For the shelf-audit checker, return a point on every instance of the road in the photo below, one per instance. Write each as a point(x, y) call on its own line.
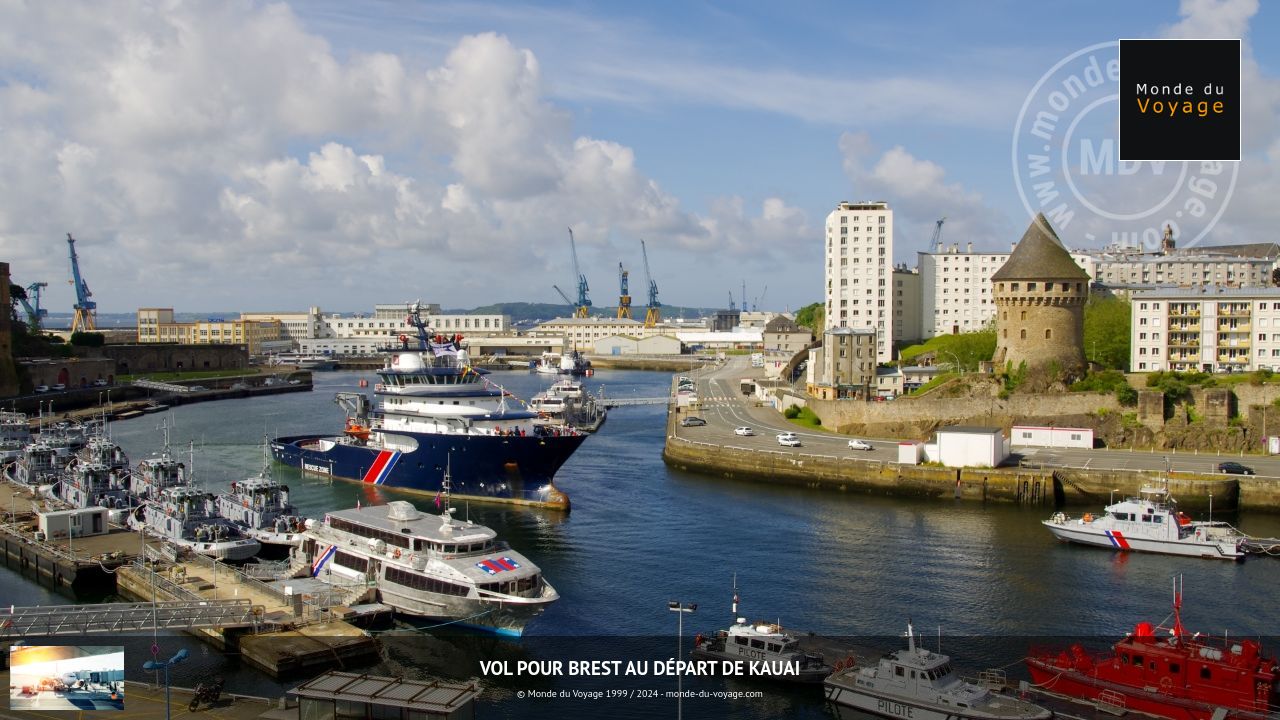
point(724, 407)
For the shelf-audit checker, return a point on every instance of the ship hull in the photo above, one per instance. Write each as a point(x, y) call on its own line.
point(1083, 535)
point(1085, 688)
point(483, 467)
point(841, 691)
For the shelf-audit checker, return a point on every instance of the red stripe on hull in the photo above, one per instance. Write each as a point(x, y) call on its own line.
point(1124, 544)
point(372, 474)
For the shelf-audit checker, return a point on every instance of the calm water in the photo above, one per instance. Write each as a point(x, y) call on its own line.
point(640, 535)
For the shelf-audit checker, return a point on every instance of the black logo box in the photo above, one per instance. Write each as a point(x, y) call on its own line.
point(1160, 77)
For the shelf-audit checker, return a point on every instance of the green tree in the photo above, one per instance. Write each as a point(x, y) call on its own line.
point(812, 316)
point(1106, 331)
point(88, 339)
point(966, 349)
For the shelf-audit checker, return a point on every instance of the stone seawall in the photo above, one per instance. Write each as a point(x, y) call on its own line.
point(918, 417)
point(1047, 486)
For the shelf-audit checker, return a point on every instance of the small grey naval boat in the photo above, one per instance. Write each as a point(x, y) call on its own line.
point(921, 685)
point(771, 651)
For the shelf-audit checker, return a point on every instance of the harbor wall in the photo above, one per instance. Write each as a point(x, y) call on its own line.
point(1032, 486)
point(918, 417)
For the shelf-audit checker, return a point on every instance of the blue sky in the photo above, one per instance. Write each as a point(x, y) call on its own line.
point(252, 156)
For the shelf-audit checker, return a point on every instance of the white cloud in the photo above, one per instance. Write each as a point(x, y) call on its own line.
point(221, 156)
point(919, 194)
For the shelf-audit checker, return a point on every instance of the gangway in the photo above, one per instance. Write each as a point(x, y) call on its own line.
point(619, 402)
point(127, 617)
point(163, 386)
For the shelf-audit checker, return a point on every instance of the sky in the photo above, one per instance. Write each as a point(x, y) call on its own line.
point(240, 155)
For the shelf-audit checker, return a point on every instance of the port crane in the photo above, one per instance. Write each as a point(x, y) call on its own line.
point(652, 313)
point(624, 295)
point(86, 317)
point(584, 300)
point(937, 234)
point(755, 304)
point(31, 304)
point(567, 301)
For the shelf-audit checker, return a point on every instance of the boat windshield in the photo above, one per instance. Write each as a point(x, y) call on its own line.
point(939, 672)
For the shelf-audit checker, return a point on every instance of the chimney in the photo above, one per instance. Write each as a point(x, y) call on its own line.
point(969, 248)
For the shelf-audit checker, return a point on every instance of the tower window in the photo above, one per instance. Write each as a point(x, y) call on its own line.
point(1024, 334)
point(1048, 334)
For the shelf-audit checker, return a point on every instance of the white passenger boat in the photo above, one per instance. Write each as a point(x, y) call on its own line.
point(922, 685)
point(1150, 522)
point(430, 566)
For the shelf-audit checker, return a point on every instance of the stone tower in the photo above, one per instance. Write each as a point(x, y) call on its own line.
point(1039, 295)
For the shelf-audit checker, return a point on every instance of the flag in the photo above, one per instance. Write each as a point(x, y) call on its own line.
point(437, 499)
point(357, 503)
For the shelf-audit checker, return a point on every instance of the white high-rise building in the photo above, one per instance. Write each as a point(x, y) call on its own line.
point(955, 287)
point(859, 271)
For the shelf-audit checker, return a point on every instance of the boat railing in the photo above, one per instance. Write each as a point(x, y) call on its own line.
point(994, 679)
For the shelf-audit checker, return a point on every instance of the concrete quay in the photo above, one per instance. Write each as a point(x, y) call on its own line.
point(1042, 477)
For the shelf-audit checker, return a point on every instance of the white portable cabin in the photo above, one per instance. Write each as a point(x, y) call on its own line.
point(80, 522)
point(968, 446)
point(1050, 437)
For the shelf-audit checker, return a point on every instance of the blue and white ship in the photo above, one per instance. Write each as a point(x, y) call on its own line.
point(430, 406)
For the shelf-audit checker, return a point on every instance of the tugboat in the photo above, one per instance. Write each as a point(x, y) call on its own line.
point(922, 685)
point(180, 516)
point(429, 566)
point(259, 507)
point(430, 405)
point(774, 652)
point(1150, 522)
point(1177, 675)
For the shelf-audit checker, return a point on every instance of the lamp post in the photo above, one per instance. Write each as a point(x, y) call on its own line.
point(957, 365)
point(680, 609)
point(164, 665)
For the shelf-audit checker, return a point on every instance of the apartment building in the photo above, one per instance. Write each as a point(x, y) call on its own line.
point(1210, 329)
point(858, 272)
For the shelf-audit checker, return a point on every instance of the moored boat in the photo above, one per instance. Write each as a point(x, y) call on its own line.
point(429, 566)
point(1166, 672)
point(180, 515)
point(430, 404)
point(922, 685)
point(1150, 522)
point(766, 648)
point(260, 508)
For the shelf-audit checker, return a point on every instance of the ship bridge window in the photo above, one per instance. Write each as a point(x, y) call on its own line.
point(758, 644)
point(1137, 661)
point(740, 640)
point(1175, 667)
point(1205, 673)
point(897, 670)
point(1146, 518)
point(773, 647)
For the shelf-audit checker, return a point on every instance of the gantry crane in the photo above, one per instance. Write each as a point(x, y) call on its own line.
point(937, 234)
point(86, 317)
point(652, 313)
point(624, 294)
point(584, 300)
point(35, 313)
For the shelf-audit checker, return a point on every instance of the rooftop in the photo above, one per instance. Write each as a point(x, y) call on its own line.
point(1040, 254)
point(1209, 291)
point(425, 696)
point(970, 430)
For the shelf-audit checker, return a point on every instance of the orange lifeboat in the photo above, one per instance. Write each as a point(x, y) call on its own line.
point(356, 430)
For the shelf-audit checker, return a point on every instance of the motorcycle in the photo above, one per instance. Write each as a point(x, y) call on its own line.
point(207, 694)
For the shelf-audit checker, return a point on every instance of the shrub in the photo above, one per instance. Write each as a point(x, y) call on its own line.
point(791, 413)
point(1126, 395)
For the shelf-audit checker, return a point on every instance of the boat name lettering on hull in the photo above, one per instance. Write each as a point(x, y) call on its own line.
point(894, 708)
point(315, 468)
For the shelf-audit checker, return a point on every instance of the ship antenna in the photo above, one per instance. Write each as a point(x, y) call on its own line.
point(1178, 630)
point(445, 485)
point(911, 637)
point(735, 594)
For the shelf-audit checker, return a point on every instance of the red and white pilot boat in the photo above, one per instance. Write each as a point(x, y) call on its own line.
point(1166, 672)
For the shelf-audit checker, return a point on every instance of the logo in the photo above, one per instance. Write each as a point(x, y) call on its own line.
point(1066, 164)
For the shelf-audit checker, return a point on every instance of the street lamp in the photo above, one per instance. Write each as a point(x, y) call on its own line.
point(164, 665)
point(955, 357)
point(680, 609)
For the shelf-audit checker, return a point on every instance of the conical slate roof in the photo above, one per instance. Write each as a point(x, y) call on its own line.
point(1040, 256)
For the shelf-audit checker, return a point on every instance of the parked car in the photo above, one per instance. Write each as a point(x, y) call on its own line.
point(693, 422)
point(786, 434)
point(789, 441)
point(99, 383)
point(59, 387)
point(42, 388)
point(856, 444)
point(744, 431)
point(1235, 468)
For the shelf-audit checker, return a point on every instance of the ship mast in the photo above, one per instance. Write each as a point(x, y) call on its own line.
point(1178, 630)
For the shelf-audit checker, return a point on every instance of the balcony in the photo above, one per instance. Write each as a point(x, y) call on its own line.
point(1239, 327)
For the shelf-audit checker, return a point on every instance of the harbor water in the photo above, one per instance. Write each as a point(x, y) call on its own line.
point(641, 535)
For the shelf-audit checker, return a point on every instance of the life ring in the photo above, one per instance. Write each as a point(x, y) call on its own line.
point(839, 665)
point(1166, 683)
point(396, 554)
point(848, 661)
point(404, 338)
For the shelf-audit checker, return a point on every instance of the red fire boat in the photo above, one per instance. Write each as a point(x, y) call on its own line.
point(1166, 672)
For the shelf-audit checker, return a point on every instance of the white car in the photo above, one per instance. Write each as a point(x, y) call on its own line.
point(744, 431)
point(860, 445)
point(789, 441)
